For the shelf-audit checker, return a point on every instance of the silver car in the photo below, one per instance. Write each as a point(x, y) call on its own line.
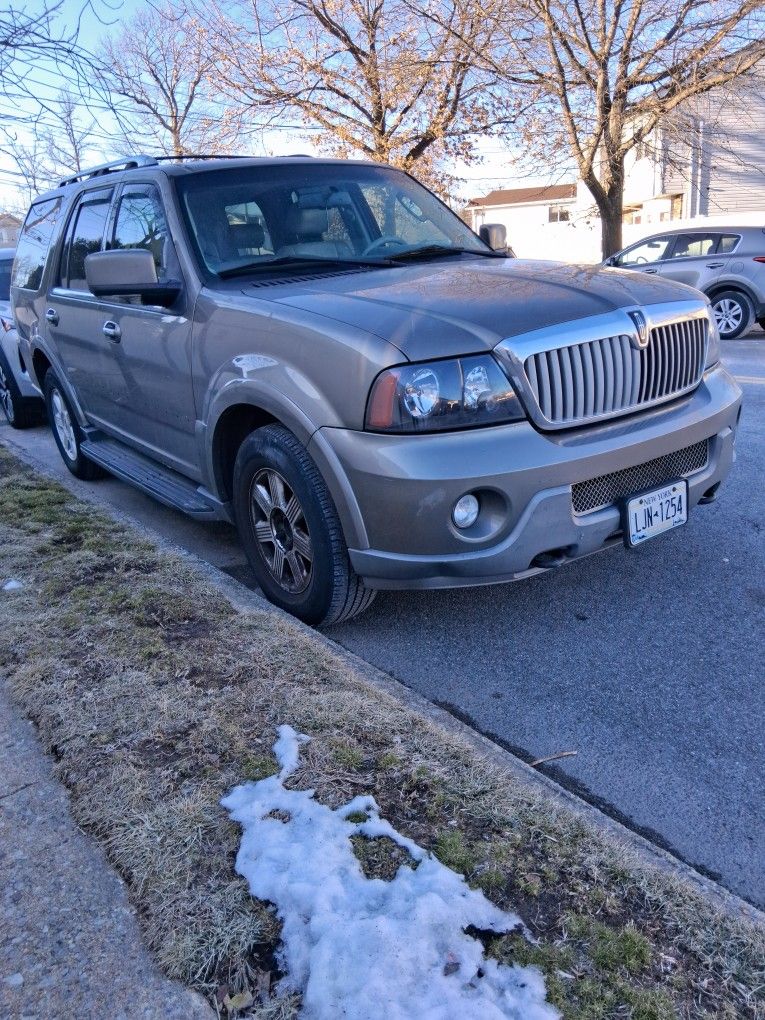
point(725, 263)
point(321, 352)
point(20, 400)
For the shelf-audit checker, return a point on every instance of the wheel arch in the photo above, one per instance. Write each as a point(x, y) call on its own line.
point(735, 285)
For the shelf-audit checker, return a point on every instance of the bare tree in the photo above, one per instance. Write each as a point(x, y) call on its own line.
point(156, 73)
point(606, 74)
point(374, 77)
point(59, 144)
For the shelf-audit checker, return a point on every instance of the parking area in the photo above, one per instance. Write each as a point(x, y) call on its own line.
point(646, 664)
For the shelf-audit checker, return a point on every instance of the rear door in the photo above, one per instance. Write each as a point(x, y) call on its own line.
point(693, 259)
point(73, 318)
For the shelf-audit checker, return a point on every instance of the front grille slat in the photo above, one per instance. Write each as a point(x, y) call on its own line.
point(605, 490)
point(606, 376)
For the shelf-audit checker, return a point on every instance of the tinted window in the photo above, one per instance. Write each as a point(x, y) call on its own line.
point(728, 243)
point(140, 223)
point(84, 236)
point(694, 245)
point(5, 279)
point(32, 249)
point(647, 251)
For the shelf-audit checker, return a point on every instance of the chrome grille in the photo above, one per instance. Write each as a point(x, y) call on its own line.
point(601, 378)
point(605, 490)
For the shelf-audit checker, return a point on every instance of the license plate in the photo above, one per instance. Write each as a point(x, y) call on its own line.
point(652, 513)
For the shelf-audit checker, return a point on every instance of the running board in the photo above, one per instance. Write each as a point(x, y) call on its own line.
point(163, 484)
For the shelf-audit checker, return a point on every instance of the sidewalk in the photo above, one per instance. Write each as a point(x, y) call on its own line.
point(69, 941)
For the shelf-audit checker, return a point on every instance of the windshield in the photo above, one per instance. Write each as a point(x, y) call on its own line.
point(335, 211)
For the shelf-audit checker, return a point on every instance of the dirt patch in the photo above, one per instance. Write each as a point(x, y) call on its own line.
point(157, 697)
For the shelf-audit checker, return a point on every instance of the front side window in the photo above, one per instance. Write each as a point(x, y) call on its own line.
point(140, 223)
point(652, 250)
point(241, 216)
point(84, 237)
point(34, 244)
point(694, 245)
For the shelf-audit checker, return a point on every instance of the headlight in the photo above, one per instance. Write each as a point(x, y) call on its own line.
point(713, 347)
point(438, 395)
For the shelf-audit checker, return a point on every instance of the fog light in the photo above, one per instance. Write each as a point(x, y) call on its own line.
point(465, 511)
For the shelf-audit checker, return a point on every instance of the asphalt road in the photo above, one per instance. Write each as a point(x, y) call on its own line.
point(648, 664)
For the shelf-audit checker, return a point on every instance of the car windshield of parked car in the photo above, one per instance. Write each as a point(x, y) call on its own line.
point(252, 215)
point(652, 250)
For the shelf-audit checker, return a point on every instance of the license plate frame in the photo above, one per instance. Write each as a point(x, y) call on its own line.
point(655, 500)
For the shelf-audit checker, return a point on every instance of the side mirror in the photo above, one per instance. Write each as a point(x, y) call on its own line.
point(128, 272)
point(495, 235)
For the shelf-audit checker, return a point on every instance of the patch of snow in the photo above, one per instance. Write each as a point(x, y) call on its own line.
point(362, 948)
point(12, 585)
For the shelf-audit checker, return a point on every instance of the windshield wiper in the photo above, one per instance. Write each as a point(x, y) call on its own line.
point(296, 260)
point(438, 250)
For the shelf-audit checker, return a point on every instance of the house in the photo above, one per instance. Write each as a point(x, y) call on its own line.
point(10, 226)
point(705, 165)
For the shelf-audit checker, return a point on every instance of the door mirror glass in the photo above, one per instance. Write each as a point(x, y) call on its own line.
point(128, 272)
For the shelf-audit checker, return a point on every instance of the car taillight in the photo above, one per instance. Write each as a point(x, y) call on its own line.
point(759, 258)
point(7, 326)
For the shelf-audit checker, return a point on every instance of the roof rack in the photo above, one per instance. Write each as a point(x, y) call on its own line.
point(201, 155)
point(125, 163)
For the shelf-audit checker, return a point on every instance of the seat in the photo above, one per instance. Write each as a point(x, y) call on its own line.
point(308, 227)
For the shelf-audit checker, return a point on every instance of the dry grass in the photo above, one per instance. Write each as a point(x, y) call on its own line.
point(156, 697)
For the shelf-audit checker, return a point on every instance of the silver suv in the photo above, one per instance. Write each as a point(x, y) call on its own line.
point(725, 263)
point(321, 352)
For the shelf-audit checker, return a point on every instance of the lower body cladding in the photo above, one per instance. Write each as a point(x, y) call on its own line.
point(544, 498)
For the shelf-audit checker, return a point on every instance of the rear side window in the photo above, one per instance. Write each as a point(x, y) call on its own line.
point(84, 236)
point(34, 244)
point(728, 243)
point(694, 245)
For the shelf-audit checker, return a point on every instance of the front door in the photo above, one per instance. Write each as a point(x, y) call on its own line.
point(693, 259)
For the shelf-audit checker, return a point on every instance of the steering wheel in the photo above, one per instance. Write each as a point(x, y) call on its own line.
point(640, 259)
point(383, 242)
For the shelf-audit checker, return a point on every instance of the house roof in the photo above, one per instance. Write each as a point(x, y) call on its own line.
point(522, 196)
point(9, 220)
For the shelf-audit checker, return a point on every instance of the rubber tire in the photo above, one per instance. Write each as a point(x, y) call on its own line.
point(80, 467)
point(335, 592)
point(27, 411)
point(761, 323)
point(747, 318)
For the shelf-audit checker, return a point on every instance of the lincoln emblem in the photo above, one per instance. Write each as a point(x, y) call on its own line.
point(640, 339)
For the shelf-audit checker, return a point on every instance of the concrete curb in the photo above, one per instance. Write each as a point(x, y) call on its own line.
point(245, 600)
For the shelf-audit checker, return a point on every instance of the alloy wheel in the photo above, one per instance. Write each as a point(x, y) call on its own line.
point(63, 425)
point(6, 398)
point(281, 531)
point(728, 315)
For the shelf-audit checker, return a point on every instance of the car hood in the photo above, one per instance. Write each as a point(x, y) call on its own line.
point(467, 305)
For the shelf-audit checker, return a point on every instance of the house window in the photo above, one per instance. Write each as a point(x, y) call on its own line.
point(558, 214)
point(676, 210)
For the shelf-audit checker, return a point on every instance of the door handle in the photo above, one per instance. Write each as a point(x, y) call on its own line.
point(715, 265)
point(650, 270)
point(51, 316)
point(112, 331)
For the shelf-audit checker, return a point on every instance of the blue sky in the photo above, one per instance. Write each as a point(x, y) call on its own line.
point(102, 16)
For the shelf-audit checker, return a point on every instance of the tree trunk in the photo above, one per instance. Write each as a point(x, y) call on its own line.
point(610, 202)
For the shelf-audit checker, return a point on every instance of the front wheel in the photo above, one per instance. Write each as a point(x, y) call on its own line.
point(733, 313)
point(291, 532)
point(66, 431)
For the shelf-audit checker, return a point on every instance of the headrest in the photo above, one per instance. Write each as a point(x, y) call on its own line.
point(247, 235)
point(307, 222)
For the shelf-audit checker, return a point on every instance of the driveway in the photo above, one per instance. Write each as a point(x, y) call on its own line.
point(647, 664)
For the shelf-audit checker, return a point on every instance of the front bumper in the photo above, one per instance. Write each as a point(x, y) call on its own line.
point(404, 488)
